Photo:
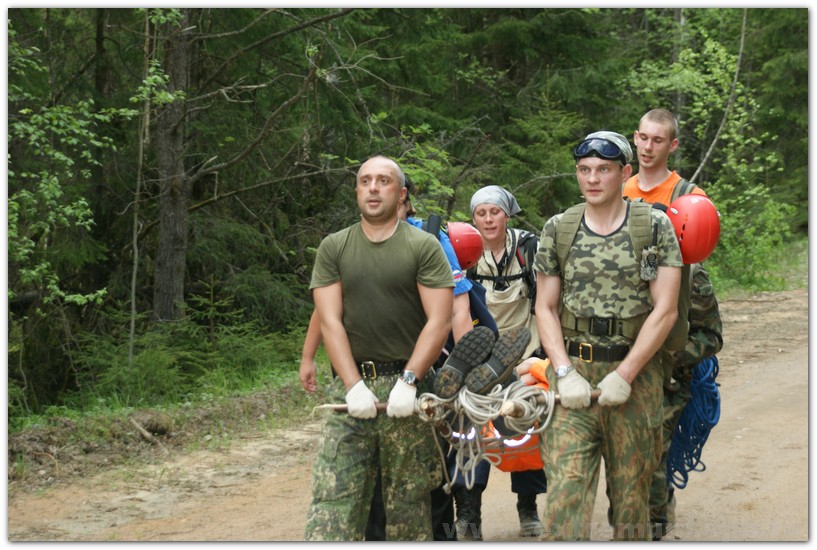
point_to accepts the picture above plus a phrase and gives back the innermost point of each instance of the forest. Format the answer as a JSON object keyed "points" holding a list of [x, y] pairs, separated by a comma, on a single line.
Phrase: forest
{"points": [[171, 172]]}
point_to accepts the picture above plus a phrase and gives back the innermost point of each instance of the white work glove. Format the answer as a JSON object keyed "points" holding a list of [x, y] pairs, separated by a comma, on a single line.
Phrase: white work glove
{"points": [[574, 391], [614, 390], [401, 400], [361, 401]]}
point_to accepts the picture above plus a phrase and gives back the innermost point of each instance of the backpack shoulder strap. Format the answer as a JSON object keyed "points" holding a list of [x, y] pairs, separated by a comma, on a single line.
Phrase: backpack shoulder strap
{"points": [[432, 225], [683, 187], [642, 233], [566, 231], [527, 245], [531, 247]]}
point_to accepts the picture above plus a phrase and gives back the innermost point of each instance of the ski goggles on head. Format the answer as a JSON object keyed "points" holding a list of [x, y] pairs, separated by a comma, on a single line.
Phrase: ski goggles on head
{"points": [[598, 147]]}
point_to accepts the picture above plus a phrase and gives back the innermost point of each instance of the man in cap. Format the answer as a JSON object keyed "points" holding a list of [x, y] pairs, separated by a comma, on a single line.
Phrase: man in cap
{"points": [[605, 303]]}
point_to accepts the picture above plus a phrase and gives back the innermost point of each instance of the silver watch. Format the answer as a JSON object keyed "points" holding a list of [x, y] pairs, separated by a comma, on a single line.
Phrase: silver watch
{"points": [[564, 370], [409, 378]]}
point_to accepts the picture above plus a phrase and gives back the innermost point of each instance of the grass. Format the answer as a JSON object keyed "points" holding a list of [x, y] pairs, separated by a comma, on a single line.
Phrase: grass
{"points": [[65, 442], [790, 266], [795, 264]]}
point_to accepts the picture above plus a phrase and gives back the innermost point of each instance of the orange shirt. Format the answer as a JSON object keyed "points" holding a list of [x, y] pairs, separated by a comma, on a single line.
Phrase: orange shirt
{"points": [[661, 193]]}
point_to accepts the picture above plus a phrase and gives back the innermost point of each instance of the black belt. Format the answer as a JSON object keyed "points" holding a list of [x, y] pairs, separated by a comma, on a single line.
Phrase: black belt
{"points": [[600, 326], [590, 352], [370, 370]]}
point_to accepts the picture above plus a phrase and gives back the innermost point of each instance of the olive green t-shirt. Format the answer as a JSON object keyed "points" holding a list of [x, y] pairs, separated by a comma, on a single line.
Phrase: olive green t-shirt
{"points": [[382, 311]]}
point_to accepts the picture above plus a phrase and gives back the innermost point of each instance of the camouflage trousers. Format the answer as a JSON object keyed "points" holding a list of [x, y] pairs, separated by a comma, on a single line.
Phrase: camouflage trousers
{"points": [[662, 505], [627, 437], [345, 472]]}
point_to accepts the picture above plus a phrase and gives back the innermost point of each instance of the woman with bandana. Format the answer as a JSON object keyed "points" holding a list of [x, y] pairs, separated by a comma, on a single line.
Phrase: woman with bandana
{"points": [[506, 272]]}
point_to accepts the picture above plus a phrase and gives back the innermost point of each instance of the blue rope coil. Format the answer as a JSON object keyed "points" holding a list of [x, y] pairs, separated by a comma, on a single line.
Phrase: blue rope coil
{"points": [[699, 416]]}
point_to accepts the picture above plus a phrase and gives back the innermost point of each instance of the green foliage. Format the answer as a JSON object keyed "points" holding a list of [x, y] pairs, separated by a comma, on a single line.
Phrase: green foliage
{"points": [[50, 151], [427, 163], [461, 97], [154, 87], [173, 361], [159, 16], [754, 232], [539, 162], [274, 301]]}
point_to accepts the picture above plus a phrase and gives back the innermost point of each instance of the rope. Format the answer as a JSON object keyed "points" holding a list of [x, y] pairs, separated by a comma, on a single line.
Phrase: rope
{"points": [[463, 420], [699, 416]]}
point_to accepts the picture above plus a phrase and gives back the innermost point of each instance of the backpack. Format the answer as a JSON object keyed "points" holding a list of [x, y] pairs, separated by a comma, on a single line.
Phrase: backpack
{"points": [[480, 314], [677, 339], [526, 246], [683, 187], [642, 235]]}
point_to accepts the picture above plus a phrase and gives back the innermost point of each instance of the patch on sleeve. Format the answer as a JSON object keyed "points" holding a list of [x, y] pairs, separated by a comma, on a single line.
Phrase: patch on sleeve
{"points": [[458, 276]]}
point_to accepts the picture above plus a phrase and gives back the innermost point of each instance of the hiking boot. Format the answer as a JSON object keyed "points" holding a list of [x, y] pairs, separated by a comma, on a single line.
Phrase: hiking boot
{"points": [[471, 350], [529, 524], [662, 516], [498, 368], [469, 513]]}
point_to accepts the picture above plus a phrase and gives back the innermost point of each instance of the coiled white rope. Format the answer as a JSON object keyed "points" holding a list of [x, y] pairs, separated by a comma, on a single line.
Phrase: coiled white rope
{"points": [[464, 419]]}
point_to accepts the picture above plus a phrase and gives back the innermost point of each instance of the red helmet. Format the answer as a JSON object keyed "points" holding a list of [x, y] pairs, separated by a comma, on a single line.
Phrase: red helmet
{"points": [[697, 225], [467, 243]]}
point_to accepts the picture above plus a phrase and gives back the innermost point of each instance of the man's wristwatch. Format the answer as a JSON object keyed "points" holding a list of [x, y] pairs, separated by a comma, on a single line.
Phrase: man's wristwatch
{"points": [[409, 378], [564, 370]]}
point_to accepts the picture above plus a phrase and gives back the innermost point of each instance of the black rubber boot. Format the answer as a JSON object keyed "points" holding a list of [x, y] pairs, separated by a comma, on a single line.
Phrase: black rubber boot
{"points": [[529, 524], [498, 368], [472, 349], [442, 515], [469, 513]]}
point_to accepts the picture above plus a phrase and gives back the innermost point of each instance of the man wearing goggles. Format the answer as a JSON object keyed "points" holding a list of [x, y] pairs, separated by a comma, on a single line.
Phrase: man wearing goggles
{"points": [[603, 309]]}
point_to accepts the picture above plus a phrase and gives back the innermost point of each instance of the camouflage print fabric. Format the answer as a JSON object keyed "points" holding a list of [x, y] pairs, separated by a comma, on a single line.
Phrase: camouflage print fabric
{"points": [[705, 340], [343, 477], [602, 278], [674, 403], [628, 437], [588, 289], [705, 326]]}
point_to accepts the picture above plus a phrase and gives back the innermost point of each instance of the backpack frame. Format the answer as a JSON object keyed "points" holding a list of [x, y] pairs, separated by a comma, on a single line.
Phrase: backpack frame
{"points": [[526, 246]]}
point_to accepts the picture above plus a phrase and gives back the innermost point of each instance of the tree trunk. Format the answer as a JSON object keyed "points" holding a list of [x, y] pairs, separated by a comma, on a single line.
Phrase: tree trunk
{"points": [[169, 147], [680, 97]]}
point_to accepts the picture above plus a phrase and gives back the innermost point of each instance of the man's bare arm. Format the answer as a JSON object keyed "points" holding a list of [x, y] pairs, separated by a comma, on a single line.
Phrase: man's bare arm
{"points": [[548, 296], [308, 370], [657, 325], [329, 305], [438, 307]]}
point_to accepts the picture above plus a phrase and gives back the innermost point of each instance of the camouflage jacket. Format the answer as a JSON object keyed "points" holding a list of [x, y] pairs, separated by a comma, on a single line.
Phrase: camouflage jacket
{"points": [[705, 327]]}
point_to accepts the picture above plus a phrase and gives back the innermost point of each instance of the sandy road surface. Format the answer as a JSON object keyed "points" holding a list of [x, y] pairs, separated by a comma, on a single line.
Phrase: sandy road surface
{"points": [[755, 487]]}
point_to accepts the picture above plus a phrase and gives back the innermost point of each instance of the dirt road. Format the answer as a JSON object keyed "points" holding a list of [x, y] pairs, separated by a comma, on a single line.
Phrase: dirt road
{"points": [[755, 487]]}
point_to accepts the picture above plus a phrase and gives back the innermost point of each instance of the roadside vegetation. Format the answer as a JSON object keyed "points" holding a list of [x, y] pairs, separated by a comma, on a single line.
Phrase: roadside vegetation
{"points": [[172, 171], [241, 396]]}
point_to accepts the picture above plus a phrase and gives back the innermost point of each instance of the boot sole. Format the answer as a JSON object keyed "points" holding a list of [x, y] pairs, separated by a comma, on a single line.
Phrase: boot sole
{"points": [[530, 530], [471, 350], [504, 357]]}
